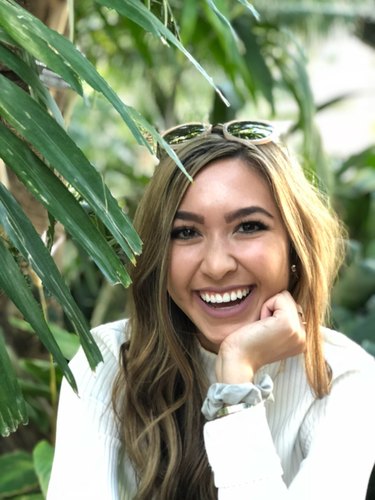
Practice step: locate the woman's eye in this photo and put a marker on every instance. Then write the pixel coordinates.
(183, 233)
(251, 226)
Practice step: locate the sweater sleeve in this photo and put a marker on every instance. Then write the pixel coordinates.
(337, 436)
(87, 444)
(243, 458)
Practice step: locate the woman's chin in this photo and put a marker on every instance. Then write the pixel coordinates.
(212, 343)
(211, 336)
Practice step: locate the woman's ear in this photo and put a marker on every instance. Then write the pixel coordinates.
(293, 269)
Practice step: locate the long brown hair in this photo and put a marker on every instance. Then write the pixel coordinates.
(161, 386)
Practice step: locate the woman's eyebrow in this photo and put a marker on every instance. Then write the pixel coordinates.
(230, 217)
(189, 216)
(244, 212)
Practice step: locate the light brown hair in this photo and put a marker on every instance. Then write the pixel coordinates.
(161, 386)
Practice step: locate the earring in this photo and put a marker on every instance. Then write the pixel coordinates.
(293, 268)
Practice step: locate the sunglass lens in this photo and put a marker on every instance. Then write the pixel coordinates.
(250, 130)
(184, 133)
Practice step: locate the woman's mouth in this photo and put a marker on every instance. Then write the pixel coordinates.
(225, 299)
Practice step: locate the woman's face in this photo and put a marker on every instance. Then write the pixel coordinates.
(229, 250)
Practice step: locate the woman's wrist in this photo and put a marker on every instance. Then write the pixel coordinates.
(225, 399)
(236, 375)
(238, 360)
(234, 370)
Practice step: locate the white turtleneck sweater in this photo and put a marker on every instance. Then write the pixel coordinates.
(295, 447)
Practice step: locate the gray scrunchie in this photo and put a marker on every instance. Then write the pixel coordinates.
(220, 395)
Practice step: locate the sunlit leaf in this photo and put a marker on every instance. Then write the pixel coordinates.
(250, 8)
(51, 192)
(32, 122)
(139, 14)
(30, 33)
(60, 55)
(223, 19)
(230, 46)
(28, 73)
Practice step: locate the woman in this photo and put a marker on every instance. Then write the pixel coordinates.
(228, 299)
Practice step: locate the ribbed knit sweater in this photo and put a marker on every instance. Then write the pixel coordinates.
(295, 447)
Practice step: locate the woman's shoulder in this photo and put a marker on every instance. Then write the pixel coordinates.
(110, 336)
(97, 383)
(344, 355)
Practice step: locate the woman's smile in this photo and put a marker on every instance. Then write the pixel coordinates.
(229, 250)
(228, 304)
(225, 299)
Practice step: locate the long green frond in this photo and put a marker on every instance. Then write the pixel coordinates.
(24, 237)
(14, 285)
(32, 122)
(137, 12)
(60, 202)
(12, 405)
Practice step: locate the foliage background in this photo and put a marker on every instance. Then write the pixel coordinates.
(263, 73)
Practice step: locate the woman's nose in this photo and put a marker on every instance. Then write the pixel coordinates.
(218, 259)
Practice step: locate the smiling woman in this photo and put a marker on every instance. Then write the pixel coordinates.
(230, 385)
(227, 238)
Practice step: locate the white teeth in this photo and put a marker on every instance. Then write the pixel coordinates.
(218, 298)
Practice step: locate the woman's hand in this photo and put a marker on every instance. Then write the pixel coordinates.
(279, 334)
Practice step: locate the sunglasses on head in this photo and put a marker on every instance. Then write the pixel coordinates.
(245, 131)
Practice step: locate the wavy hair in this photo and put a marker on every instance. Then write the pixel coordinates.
(161, 384)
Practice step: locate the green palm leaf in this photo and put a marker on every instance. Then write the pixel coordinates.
(28, 32)
(139, 14)
(32, 122)
(29, 74)
(42, 458)
(17, 475)
(52, 193)
(14, 285)
(24, 237)
(12, 405)
(61, 56)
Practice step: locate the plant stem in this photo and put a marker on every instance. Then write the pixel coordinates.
(52, 369)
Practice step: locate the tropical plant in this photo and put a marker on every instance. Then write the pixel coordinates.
(354, 293)
(57, 173)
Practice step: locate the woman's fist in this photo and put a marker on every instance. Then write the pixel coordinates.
(279, 334)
